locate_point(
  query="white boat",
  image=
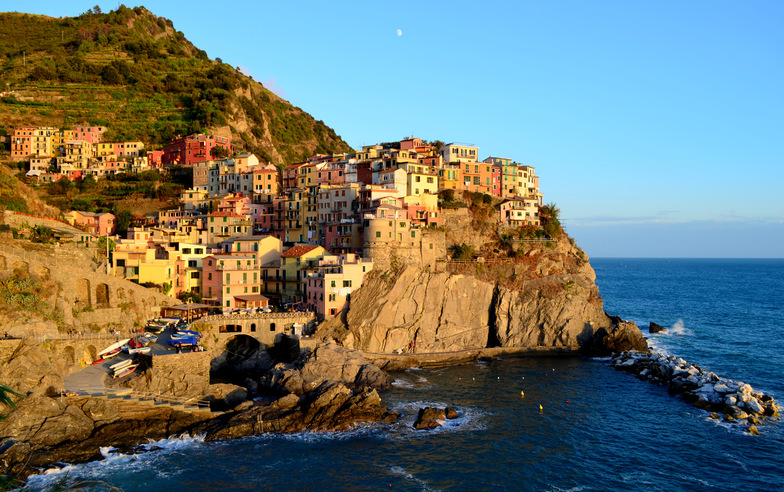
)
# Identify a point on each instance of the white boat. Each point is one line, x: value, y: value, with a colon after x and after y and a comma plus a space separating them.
x: 140, y: 350
x: 113, y: 347
x: 120, y: 365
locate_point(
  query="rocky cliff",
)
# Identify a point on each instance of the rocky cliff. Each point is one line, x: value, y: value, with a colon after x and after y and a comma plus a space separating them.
x: 546, y: 298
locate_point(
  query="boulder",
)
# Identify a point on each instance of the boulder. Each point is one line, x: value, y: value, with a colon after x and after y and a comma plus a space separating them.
x: 656, y: 328
x: 429, y: 418
x: 752, y: 429
x: 451, y: 413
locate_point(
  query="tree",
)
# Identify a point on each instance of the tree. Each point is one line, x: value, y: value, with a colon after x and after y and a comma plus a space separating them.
x: 124, y: 220
x: 97, y: 9
x: 5, y: 398
x: 189, y: 296
x: 219, y: 152
x: 462, y: 251
x: 548, y: 214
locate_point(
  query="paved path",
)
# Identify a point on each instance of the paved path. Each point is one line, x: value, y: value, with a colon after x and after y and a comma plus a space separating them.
x: 90, y: 378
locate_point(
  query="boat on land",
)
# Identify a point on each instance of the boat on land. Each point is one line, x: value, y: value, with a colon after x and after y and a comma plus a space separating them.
x: 126, y: 371
x: 182, y: 342
x: 112, y: 347
x: 189, y: 333
x: 152, y: 338
x: 139, y: 350
x: 120, y: 365
x: 110, y: 355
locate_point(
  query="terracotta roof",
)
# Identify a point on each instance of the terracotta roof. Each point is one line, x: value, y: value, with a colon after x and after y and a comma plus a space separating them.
x: 226, y: 214
x: 298, y: 251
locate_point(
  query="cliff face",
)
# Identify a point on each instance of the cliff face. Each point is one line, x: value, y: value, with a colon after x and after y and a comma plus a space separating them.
x: 550, y: 300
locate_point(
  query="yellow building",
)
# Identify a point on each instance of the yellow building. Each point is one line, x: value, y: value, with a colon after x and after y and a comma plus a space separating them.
x: 292, y: 263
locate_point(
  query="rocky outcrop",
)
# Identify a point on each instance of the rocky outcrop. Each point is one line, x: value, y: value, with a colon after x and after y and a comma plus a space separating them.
x: 28, y: 367
x: 328, y: 362
x: 430, y: 418
x: 655, y: 328
x: 45, y: 430
x: 328, y: 407
x: 422, y: 311
x: 736, y: 400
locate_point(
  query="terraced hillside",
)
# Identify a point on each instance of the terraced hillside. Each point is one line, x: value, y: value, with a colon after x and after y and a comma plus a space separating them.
x: 133, y: 72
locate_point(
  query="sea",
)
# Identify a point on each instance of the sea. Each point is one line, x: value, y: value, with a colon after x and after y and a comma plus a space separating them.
x: 540, y: 424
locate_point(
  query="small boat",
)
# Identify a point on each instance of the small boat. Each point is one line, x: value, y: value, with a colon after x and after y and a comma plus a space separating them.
x: 112, y: 354
x: 189, y: 333
x: 152, y: 338
x: 120, y: 365
x: 113, y: 346
x: 126, y: 371
x: 182, y: 342
x: 140, y: 350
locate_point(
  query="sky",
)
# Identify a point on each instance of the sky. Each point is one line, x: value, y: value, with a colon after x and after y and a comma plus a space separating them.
x: 656, y: 127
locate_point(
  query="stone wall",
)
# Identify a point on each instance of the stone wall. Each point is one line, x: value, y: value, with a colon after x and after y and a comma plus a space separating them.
x: 18, y: 220
x: 178, y: 375
x: 422, y: 253
x: 88, y: 300
x: 264, y: 327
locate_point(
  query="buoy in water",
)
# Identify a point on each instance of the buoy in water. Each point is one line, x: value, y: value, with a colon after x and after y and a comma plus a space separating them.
x: 541, y: 407
x: 522, y: 393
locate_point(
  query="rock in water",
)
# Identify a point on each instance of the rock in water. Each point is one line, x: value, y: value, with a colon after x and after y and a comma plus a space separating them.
x: 429, y: 418
x: 655, y: 328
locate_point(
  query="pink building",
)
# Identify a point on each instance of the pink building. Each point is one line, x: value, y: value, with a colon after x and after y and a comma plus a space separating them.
x: 99, y: 224
x: 92, y: 134
x: 226, y: 277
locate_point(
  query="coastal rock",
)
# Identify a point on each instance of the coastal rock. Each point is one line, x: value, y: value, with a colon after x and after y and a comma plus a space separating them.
x: 30, y: 368
x: 622, y: 336
x: 737, y: 400
x: 424, y: 312
x: 451, y: 413
x: 429, y: 418
x: 45, y: 430
x: 327, y: 362
x: 330, y: 406
x: 656, y: 328
x: 226, y: 395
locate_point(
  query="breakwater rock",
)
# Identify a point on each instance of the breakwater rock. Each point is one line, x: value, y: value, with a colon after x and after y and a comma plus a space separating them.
x: 738, y: 401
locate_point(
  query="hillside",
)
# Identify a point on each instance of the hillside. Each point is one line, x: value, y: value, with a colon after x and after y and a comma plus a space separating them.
x: 132, y: 72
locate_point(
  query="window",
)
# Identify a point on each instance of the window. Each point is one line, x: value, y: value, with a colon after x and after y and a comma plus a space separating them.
x: 347, y: 283
x: 378, y: 233
x: 332, y: 298
x: 209, y: 276
x: 413, y: 234
x: 332, y: 283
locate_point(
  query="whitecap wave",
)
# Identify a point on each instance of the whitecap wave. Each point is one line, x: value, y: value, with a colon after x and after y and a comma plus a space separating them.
x: 679, y: 328
x: 468, y: 419
x: 112, y: 463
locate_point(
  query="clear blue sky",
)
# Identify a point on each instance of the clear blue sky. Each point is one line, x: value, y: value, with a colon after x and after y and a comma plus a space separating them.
x: 657, y: 127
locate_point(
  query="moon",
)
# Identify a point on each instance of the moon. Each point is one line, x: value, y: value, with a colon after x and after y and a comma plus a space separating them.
x: 399, y: 32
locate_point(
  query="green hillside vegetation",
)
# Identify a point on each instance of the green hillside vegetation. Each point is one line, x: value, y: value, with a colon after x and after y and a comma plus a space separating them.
x: 132, y: 72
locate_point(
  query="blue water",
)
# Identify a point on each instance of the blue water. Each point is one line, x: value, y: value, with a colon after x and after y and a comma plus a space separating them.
x: 598, y: 429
